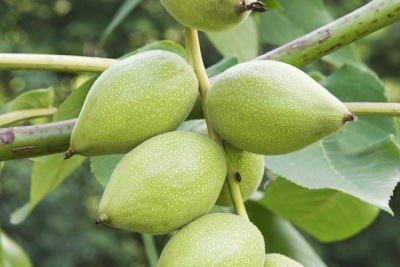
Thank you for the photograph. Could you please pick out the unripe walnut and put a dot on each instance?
(164, 183)
(137, 98)
(215, 239)
(269, 107)
(211, 15)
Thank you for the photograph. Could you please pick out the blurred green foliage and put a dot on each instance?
(61, 231)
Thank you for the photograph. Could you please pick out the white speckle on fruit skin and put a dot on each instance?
(215, 239)
(269, 107)
(139, 97)
(164, 183)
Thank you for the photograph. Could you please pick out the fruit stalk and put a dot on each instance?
(195, 59)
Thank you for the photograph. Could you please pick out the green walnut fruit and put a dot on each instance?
(211, 15)
(279, 260)
(249, 165)
(270, 108)
(164, 183)
(139, 97)
(215, 239)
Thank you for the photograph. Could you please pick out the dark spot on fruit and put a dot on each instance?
(238, 177)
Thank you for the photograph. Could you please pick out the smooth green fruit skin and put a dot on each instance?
(215, 239)
(249, 165)
(164, 183)
(207, 15)
(279, 260)
(139, 97)
(270, 108)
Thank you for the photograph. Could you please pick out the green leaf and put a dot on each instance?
(273, 4)
(197, 111)
(47, 173)
(20, 214)
(165, 45)
(45, 179)
(241, 40)
(72, 105)
(281, 237)
(280, 26)
(276, 28)
(224, 64)
(39, 101)
(103, 166)
(124, 10)
(343, 56)
(369, 174)
(361, 160)
(307, 15)
(187, 125)
(11, 254)
(352, 83)
(40, 98)
(327, 214)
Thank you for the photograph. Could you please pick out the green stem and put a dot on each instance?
(54, 137)
(194, 58)
(374, 109)
(54, 63)
(18, 115)
(35, 140)
(367, 19)
(150, 249)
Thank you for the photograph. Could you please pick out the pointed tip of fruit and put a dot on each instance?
(256, 6)
(69, 153)
(350, 117)
(102, 218)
